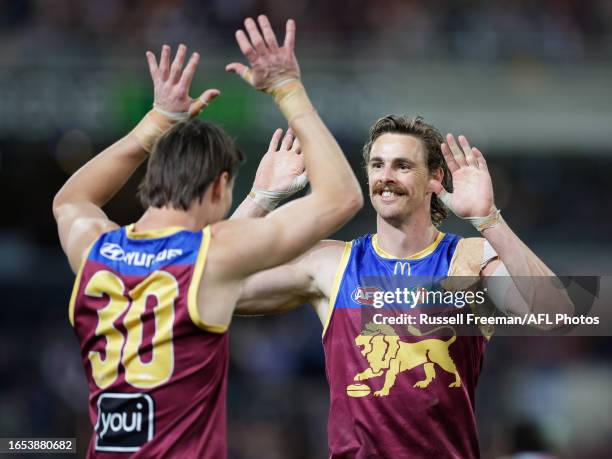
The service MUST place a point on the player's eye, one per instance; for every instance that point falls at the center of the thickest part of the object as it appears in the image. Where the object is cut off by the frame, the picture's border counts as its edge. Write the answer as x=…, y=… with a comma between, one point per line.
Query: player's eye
x=405, y=167
x=375, y=165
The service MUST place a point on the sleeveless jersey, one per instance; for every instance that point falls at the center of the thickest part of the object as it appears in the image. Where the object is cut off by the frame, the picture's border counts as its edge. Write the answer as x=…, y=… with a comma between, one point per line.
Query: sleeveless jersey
x=397, y=395
x=157, y=374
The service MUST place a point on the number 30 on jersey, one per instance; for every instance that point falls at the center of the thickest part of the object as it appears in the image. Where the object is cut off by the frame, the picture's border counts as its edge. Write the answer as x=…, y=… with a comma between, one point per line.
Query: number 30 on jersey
x=119, y=349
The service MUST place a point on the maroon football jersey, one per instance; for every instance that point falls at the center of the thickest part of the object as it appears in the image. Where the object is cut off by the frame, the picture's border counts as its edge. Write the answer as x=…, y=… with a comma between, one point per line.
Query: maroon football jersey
x=393, y=394
x=157, y=374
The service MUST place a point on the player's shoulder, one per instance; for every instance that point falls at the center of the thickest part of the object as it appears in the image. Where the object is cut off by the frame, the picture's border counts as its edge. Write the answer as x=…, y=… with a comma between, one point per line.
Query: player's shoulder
x=471, y=255
x=326, y=252
x=474, y=244
x=86, y=233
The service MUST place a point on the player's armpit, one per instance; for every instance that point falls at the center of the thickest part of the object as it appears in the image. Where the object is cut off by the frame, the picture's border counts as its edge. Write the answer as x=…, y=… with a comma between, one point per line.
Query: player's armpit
x=79, y=225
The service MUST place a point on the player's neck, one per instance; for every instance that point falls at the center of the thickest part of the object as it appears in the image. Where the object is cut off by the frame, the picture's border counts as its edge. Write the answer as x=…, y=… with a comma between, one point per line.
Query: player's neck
x=156, y=218
x=406, y=238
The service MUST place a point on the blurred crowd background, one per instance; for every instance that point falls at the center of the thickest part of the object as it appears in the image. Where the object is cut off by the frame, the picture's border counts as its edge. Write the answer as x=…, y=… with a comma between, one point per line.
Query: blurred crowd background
x=527, y=81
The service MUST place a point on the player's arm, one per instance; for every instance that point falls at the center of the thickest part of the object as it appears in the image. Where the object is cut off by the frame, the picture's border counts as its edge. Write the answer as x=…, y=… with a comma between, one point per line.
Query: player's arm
x=336, y=196
x=280, y=174
x=472, y=199
x=306, y=279
x=242, y=247
x=77, y=206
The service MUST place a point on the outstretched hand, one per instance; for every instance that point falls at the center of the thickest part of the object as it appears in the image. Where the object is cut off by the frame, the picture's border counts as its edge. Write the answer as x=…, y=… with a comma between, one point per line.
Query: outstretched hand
x=282, y=167
x=171, y=83
x=270, y=64
x=472, y=194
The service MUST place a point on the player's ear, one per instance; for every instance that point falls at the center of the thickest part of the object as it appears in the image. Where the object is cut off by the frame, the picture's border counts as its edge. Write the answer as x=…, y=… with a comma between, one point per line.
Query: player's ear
x=219, y=186
x=435, y=181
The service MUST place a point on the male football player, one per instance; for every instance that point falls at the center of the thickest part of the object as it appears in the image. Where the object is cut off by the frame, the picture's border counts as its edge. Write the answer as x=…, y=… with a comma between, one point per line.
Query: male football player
x=394, y=396
x=152, y=301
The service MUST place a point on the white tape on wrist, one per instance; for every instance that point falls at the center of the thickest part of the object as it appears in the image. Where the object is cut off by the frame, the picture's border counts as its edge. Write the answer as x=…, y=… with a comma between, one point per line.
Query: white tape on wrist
x=480, y=223
x=490, y=221
x=269, y=200
x=281, y=83
x=176, y=116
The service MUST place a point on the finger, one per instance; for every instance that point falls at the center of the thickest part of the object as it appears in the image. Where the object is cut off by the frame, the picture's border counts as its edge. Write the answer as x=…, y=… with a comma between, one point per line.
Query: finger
x=275, y=139
x=202, y=102
x=287, y=140
x=245, y=46
x=445, y=197
x=455, y=150
x=482, y=163
x=255, y=36
x=241, y=70
x=467, y=151
x=449, y=158
x=300, y=182
x=436, y=186
x=177, y=63
x=153, y=69
x=296, y=147
x=267, y=31
x=164, y=63
x=290, y=35
x=189, y=71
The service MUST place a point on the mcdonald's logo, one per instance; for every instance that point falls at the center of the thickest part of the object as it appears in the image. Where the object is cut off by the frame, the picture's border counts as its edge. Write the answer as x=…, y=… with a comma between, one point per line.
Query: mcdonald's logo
x=402, y=268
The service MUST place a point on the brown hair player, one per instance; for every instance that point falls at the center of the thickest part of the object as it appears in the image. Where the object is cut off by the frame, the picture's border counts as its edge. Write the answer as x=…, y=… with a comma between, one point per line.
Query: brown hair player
x=391, y=395
x=152, y=301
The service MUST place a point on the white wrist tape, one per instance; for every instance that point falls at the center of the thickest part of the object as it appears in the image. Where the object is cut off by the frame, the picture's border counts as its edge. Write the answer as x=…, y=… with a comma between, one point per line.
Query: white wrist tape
x=480, y=223
x=269, y=200
x=490, y=221
x=175, y=116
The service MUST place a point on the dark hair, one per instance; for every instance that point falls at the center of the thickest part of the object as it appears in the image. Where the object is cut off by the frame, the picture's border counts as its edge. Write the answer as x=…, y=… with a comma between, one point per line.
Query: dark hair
x=431, y=138
x=185, y=161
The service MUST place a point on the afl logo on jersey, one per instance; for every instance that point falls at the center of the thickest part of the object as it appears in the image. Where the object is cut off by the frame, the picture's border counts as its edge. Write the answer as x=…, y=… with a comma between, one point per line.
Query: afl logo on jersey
x=112, y=251
x=364, y=295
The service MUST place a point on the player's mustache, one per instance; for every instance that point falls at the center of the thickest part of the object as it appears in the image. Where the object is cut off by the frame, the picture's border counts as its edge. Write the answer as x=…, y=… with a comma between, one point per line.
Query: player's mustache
x=392, y=187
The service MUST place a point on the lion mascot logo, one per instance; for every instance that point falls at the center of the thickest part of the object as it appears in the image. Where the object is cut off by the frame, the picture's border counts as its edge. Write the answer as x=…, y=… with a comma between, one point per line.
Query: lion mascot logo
x=388, y=356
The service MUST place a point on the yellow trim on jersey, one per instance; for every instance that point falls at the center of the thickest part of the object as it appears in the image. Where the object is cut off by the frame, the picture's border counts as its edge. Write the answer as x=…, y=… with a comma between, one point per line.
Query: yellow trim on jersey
x=192, y=294
x=336, y=285
x=152, y=233
x=77, y=283
x=415, y=256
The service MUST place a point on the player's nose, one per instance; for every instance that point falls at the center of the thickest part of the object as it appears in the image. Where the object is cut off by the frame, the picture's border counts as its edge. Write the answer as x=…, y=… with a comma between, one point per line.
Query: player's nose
x=387, y=174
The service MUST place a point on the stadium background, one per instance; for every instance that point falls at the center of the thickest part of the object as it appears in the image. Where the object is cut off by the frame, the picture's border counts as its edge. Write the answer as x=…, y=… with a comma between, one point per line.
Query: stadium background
x=526, y=81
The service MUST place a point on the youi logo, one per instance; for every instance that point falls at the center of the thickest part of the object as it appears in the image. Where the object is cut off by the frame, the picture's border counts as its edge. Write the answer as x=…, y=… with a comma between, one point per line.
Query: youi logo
x=125, y=421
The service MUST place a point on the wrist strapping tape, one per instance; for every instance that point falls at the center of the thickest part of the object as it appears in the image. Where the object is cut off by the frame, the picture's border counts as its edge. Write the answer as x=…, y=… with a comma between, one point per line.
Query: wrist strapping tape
x=269, y=200
x=291, y=98
x=480, y=223
x=490, y=221
x=157, y=121
x=151, y=128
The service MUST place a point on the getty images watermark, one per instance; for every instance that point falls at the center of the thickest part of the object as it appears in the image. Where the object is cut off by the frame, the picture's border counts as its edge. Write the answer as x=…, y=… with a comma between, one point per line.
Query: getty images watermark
x=501, y=306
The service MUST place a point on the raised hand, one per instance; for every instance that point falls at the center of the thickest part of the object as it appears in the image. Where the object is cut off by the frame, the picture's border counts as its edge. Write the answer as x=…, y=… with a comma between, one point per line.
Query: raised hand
x=270, y=64
x=282, y=167
x=171, y=83
x=472, y=188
